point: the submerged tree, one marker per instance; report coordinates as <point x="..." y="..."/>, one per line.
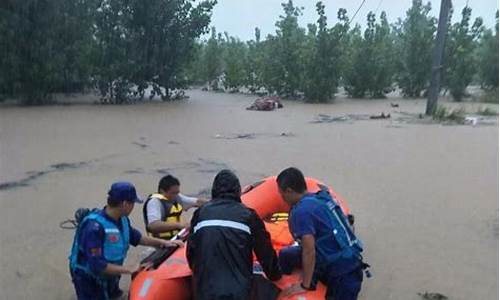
<point x="235" y="53"/>
<point x="460" y="63"/>
<point x="414" y="49"/>
<point x="371" y="59"/>
<point x="212" y="57"/>
<point x="324" y="63"/>
<point x="488" y="58"/>
<point x="45" y="48"/>
<point x="288" y="47"/>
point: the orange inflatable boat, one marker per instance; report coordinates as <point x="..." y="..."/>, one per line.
<point x="170" y="278"/>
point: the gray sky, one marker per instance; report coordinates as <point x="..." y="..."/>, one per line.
<point x="240" y="17"/>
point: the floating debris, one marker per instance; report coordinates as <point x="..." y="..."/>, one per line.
<point x="63" y="166"/>
<point x="266" y="104"/>
<point x="33" y="175"/>
<point x="322" y="118"/>
<point x="143" y="146"/>
<point x="235" y="136"/>
<point x="134" y="171"/>
<point x="165" y="171"/>
<point x="381" y="116"/>
<point x="432" y="296"/>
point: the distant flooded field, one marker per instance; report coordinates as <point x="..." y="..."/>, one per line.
<point x="425" y="195"/>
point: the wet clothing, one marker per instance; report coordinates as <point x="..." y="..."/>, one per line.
<point x="99" y="241"/>
<point x="159" y="208"/>
<point x="169" y="211"/>
<point x="88" y="288"/>
<point x="219" y="249"/>
<point x="155" y="210"/>
<point x="344" y="287"/>
<point x="338" y="260"/>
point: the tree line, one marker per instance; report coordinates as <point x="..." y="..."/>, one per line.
<point x="125" y="49"/>
<point x="314" y="62"/>
<point x="118" y="47"/>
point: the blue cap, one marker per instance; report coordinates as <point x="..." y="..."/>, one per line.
<point x="123" y="191"/>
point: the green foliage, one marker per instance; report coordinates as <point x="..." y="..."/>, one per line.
<point x="460" y="63"/>
<point x="288" y="49"/>
<point x="253" y="63"/>
<point x="194" y="68"/>
<point x="488" y="59"/>
<point x="162" y="39"/>
<point x="125" y="47"/>
<point x="490" y="96"/>
<point x="487" y="112"/>
<point x="443" y="114"/>
<point x="414" y="49"/>
<point x="235" y="55"/>
<point x="212" y="56"/>
<point x="120" y="46"/>
<point x="324" y="66"/>
<point x="371" y="60"/>
<point x="45" y="48"/>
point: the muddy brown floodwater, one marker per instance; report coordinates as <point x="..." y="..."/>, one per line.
<point x="425" y="196"/>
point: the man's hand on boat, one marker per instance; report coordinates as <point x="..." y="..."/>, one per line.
<point x="293" y="289"/>
<point x="165" y="243"/>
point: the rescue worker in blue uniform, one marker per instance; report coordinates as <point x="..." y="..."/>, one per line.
<point x="101" y="243"/>
<point x="328" y="250"/>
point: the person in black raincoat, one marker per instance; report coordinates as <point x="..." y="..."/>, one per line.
<point x="224" y="232"/>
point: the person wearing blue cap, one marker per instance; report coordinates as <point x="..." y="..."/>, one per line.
<point x="101" y="243"/>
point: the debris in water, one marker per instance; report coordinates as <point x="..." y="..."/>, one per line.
<point x="381" y="116"/>
<point x="134" y="171"/>
<point x="322" y="118"/>
<point x="32" y="175"/>
<point x="432" y="296"/>
<point x="394" y="104"/>
<point x="470" y="121"/>
<point x="173" y="143"/>
<point x="235" y="136"/>
<point x="266" y="104"/>
<point x="63" y="166"/>
<point x="165" y="171"/>
<point x="143" y="146"/>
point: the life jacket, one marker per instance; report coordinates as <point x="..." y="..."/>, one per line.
<point x="115" y="246"/>
<point x="171" y="212"/>
<point x="338" y="252"/>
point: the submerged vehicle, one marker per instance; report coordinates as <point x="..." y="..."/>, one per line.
<point x="169" y="276"/>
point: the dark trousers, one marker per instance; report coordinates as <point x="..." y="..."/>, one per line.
<point x="343" y="287"/>
<point x="88" y="288"/>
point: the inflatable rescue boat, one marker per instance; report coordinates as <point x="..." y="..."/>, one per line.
<point x="169" y="277"/>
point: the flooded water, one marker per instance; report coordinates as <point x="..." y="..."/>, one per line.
<point x="425" y="196"/>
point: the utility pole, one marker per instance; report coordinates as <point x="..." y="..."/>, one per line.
<point x="437" y="58"/>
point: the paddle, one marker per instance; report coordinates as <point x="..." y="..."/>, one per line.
<point x="155" y="259"/>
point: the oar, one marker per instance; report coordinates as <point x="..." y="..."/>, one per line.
<point x="160" y="255"/>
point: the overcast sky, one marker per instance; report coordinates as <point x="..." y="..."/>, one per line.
<point x="240" y="17"/>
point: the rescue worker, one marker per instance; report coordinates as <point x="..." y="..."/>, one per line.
<point x="328" y="249"/>
<point x="162" y="211"/>
<point x="101" y="243"/>
<point x="224" y="232"/>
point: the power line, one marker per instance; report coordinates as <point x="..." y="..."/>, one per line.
<point x="378" y="6"/>
<point x="354" y="16"/>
